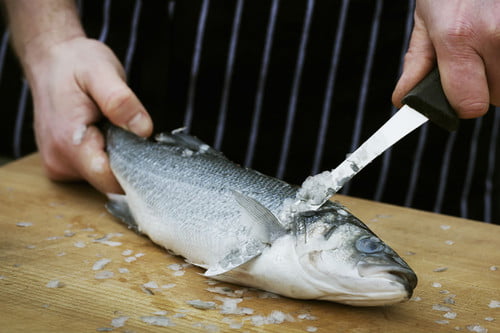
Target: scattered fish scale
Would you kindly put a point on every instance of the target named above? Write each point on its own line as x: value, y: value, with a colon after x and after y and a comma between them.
x: 494, y: 304
x: 100, y: 264
x: 151, y: 285
x: 450, y: 315
x: 79, y: 244
x: 232, y: 323
x: 130, y: 259
x: 440, y: 307
x: 127, y: 253
x: 477, y: 328
x: 161, y: 321
x: 449, y: 300
x: 275, y: 317
x: 230, y: 306
x: 202, y: 305
x: 179, y: 273
x: 24, y: 224
x: 161, y: 313
x: 227, y: 291
x: 106, y: 239
x: 175, y: 267
x: 307, y: 316
x: 119, y: 321
x: 102, y: 275
x: 55, y: 284
x: 440, y: 269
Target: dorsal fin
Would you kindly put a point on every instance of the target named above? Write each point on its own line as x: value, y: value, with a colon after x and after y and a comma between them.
x: 180, y: 139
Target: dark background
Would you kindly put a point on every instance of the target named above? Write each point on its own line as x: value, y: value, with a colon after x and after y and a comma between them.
x: 160, y: 76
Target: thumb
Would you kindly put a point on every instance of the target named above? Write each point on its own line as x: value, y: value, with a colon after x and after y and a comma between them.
x: 418, y: 62
x: 117, y: 101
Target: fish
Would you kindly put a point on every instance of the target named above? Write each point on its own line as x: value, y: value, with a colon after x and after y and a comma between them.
x: 227, y: 219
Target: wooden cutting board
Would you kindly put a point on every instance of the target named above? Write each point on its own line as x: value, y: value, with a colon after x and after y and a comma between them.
x: 66, y: 265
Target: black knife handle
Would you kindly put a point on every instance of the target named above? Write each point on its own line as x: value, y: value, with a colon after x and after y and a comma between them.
x: 428, y: 98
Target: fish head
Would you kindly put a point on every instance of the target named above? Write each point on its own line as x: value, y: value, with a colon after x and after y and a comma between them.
x: 346, y: 262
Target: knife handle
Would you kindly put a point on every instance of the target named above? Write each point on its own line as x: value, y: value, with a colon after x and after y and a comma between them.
x: 428, y: 98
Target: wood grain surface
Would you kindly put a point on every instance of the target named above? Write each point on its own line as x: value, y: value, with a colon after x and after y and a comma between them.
x: 66, y: 265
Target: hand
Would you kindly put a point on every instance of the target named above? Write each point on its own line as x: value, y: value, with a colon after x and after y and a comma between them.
x: 464, y: 37
x: 72, y: 82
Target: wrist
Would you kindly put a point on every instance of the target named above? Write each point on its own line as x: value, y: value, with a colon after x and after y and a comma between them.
x: 38, y: 26
x: 42, y: 48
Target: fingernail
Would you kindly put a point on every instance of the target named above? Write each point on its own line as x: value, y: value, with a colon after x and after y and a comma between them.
x: 139, y: 124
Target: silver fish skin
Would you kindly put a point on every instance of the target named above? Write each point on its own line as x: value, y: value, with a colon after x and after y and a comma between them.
x: 190, y: 199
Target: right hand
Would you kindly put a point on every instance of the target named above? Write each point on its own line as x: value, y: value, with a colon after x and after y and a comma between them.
x: 463, y: 39
x: 73, y: 84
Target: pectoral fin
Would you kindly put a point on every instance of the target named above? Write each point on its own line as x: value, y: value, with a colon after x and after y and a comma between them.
x: 236, y: 257
x: 118, y: 206
x: 261, y: 229
x: 262, y: 218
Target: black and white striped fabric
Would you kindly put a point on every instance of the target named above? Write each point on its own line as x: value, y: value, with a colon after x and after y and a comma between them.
x: 285, y: 87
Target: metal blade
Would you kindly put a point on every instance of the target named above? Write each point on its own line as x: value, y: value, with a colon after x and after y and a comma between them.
x: 316, y: 190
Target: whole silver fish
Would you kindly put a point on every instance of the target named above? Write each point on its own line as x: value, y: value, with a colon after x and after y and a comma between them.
x: 190, y: 199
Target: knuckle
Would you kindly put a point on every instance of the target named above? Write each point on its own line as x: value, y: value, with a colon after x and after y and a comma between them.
x: 459, y: 30
x: 115, y: 103
x: 454, y: 34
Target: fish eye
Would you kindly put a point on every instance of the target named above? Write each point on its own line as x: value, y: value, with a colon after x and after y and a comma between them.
x: 369, y: 244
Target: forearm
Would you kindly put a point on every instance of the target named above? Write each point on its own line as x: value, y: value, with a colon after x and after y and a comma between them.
x: 37, y: 25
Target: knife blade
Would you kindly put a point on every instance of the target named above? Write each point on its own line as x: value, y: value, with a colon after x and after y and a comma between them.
x: 426, y: 101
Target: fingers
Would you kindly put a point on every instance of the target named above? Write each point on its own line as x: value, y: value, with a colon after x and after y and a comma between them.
x: 92, y: 162
x: 116, y: 100
x: 72, y: 87
x: 80, y: 156
x: 464, y: 83
x: 418, y: 62
x: 462, y: 70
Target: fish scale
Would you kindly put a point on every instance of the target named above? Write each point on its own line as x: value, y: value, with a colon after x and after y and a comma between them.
x: 182, y: 188
x: 190, y: 199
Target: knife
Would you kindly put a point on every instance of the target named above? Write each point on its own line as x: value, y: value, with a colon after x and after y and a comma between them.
x: 426, y: 101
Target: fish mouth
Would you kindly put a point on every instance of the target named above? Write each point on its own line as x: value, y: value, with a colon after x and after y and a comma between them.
x: 402, y: 275
x: 407, y: 278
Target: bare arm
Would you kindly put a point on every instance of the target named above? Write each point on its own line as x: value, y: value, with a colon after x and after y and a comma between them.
x: 463, y: 38
x: 74, y: 81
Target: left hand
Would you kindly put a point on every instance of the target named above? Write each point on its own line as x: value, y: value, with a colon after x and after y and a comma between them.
x: 74, y: 83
